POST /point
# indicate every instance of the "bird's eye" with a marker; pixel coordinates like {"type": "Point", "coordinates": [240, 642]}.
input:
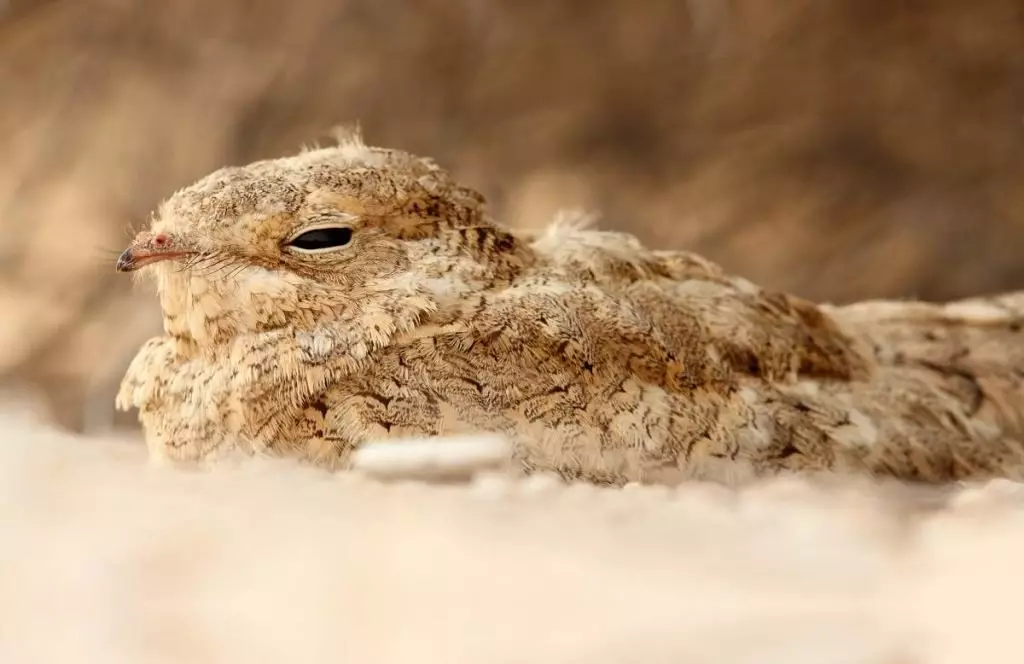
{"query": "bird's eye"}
{"type": "Point", "coordinates": [322, 239]}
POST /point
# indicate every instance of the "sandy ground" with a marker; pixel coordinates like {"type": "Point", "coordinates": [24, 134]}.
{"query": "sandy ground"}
{"type": "Point", "coordinates": [104, 558]}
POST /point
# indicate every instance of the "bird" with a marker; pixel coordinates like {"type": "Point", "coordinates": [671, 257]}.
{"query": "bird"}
{"type": "Point", "coordinates": [316, 303]}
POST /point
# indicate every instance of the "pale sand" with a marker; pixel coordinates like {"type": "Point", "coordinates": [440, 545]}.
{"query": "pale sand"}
{"type": "Point", "coordinates": [104, 559]}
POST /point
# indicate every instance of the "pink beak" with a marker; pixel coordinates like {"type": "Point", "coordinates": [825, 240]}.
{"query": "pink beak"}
{"type": "Point", "coordinates": [148, 248]}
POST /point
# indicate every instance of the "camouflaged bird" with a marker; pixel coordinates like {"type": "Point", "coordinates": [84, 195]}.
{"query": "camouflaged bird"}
{"type": "Point", "coordinates": [352, 294]}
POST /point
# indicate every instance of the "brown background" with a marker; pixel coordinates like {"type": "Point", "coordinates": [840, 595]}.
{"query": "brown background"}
{"type": "Point", "coordinates": [839, 150]}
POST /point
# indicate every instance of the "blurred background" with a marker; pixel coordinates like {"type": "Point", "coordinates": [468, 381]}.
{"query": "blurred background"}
{"type": "Point", "coordinates": [839, 150]}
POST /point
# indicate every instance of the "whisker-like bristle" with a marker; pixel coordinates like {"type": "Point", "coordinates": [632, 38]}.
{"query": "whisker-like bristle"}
{"type": "Point", "coordinates": [104, 255]}
{"type": "Point", "coordinates": [215, 266]}
{"type": "Point", "coordinates": [107, 252]}
{"type": "Point", "coordinates": [206, 264]}
{"type": "Point", "coordinates": [195, 261]}
{"type": "Point", "coordinates": [238, 269]}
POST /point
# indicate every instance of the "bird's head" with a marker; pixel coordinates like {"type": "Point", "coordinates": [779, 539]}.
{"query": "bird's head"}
{"type": "Point", "coordinates": [302, 240]}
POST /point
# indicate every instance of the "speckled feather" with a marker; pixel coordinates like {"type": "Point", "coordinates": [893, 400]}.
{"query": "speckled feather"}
{"type": "Point", "coordinates": [599, 358]}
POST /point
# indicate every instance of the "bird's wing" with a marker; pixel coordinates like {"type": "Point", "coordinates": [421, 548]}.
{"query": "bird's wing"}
{"type": "Point", "coordinates": [909, 389]}
{"type": "Point", "coordinates": [697, 311]}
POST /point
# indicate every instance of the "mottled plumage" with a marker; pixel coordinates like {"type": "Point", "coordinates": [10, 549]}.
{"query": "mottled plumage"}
{"type": "Point", "coordinates": [599, 358]}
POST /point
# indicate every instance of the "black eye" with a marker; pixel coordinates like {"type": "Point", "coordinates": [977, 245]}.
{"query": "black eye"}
{"type": "Point", "coordinates": [322, 238]}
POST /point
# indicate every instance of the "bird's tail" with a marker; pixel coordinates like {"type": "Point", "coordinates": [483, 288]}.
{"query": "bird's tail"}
{"type": "Point", "coordinates": [978, 343]}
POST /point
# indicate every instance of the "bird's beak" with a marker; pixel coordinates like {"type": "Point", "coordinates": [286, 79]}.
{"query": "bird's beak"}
{"type": "Point", "coordinates": [148, 248]}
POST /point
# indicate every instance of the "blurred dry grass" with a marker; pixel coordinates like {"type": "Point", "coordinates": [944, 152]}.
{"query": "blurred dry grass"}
{"type": "Point", "coordinates": [842, 149]}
